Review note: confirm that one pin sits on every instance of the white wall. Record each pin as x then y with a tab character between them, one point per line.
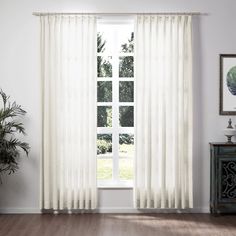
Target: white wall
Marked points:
20	77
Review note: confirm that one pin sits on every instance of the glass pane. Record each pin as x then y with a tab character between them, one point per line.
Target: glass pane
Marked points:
126	169
126	66
126	154
104	145
127	42
105	39
126	91
104	156
101	42
104	67
126	148
104	93
104	168
104	116
126	116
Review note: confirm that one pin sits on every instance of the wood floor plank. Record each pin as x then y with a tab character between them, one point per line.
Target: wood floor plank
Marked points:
118	225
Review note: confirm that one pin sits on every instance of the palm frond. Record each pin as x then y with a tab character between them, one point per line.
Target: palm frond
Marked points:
9	125
14	126
4	98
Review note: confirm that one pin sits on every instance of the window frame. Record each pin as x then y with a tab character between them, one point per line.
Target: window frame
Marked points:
116	129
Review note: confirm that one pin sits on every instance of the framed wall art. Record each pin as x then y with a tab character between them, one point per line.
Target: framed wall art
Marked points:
227	84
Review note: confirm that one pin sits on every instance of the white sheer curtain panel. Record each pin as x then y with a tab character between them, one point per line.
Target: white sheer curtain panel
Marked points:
163	117
68	64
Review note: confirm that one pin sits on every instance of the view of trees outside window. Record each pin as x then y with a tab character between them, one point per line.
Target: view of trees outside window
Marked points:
115	97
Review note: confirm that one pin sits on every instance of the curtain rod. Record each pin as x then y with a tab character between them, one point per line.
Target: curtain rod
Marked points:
116	13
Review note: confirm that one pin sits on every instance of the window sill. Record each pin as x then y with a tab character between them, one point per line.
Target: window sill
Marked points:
115	185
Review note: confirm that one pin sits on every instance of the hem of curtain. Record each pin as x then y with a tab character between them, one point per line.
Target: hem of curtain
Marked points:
67	210
163	208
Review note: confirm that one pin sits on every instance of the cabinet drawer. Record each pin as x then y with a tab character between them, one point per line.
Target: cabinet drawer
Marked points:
227	150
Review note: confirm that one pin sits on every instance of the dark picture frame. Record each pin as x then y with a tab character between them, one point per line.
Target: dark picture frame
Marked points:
227	84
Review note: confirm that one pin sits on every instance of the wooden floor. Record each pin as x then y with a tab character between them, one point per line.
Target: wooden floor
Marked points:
114	225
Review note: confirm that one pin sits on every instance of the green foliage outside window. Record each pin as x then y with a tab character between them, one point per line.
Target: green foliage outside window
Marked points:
126	116
104	117
126	91
104	67
128	47
126	139
104	143
104	93
103	146
126	67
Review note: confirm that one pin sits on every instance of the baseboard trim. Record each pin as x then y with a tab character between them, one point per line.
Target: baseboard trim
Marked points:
108	210
20	211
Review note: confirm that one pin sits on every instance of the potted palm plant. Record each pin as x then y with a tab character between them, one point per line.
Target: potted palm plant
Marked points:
10	126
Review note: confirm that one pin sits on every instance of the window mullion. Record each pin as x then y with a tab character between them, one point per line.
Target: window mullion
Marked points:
104	79
104	130
127	79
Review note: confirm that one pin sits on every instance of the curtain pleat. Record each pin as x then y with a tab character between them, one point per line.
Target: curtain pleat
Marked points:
68	64
163	114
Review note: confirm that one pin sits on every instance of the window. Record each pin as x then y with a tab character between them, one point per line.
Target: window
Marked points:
115	104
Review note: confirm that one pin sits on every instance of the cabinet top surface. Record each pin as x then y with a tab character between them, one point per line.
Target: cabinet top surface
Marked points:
223	144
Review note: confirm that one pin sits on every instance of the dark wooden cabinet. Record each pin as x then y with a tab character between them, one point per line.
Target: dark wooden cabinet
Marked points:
223	178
